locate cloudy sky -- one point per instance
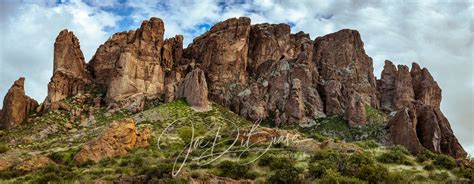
(436, 34)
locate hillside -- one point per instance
(317, 158)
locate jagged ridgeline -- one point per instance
(322, 89)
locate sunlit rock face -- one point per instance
(70, 76)
(131, 66)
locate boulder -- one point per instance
(117, 140)
(194, 88)
(402, 129)
(4, 164)
(33, 164)
(16, 105)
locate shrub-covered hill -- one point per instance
(217, 146)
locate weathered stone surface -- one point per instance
(400, 88)
(404, 95)
(295, 106)
(33, 164)
(417, 91)
(70, 76)
(132, 65)
(341, 60)
(386, 86)
(425, 88)
(117, 140)
(171, 81)
(269, 42)
(4, 164)
(355, 112)
(194, 88)
(435, 133)
(428, 130)
(16, 105)
(284, 80)
(403, 128)
(222, 53)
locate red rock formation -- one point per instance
(222, 53)
(70, 76)
(425, 88)
(16, 105)
(194, 88)
(342, 61)
(132, 65)
(260, 72)
(386, 86)
(403, 130)
(404, 94)
(269, 42)
(417, 91)
(355, 112)
(117, 140)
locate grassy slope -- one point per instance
(155, 163)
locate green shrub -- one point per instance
(464, 173)
(47, 178)
(64, 157)
(9, 173)
(162, 170)
(375, 173)
(319, 169)
(429, 167)
(425, 156)
(137, 162)
(443, 161)
(368, 144)
(396, 155)
(333, 177)
(318, 137)
(442, 176)
(53, 173)
(186, 134)
(235, 170)
(3, 148)
(280, 163)
(107, 162)
(328, 154)
(288, 174)
(265, 160)
(374, 115)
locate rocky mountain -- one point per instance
(261, 72)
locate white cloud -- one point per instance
(436, 34)
(28, 33)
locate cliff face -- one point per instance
(16, 105)
(131, 66)
(416, 92)
(261, 72)
(70, 76)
